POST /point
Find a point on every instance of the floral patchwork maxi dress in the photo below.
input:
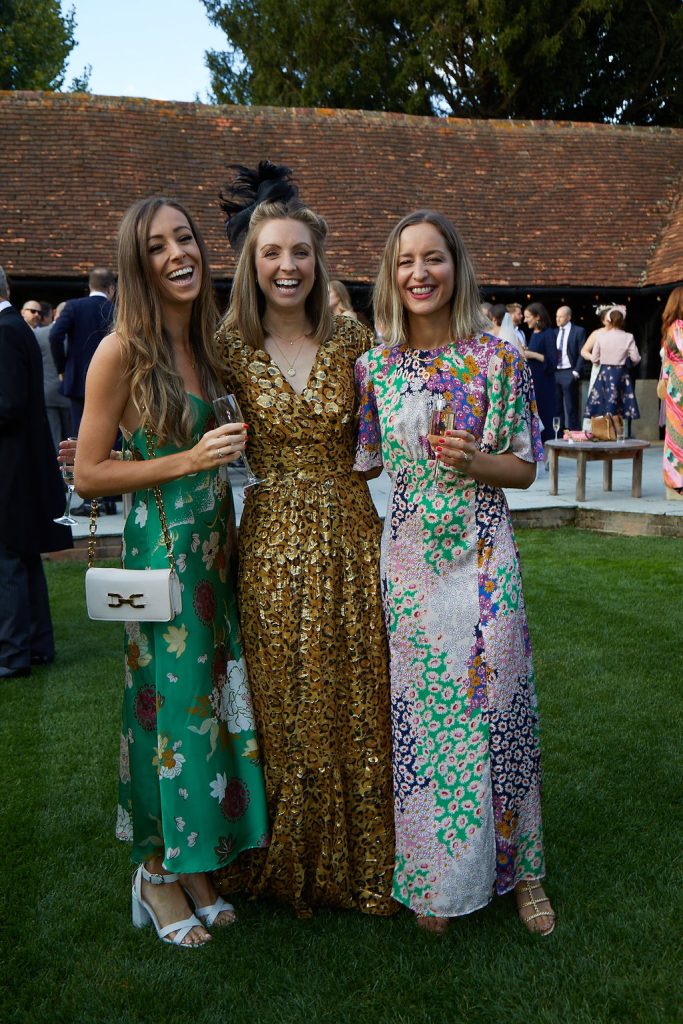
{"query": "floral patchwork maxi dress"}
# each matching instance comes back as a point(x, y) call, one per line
point(464, 713)
point(191, 784)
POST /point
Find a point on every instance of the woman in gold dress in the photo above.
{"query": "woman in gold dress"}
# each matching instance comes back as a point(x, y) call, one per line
point(310, 604)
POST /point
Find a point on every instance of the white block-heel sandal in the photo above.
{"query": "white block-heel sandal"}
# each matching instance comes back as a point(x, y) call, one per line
point(209, 914)
point(144, 915)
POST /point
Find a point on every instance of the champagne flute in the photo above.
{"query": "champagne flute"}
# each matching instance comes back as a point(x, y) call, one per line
point(228, 411)
point(67, 469)
point(556, 425)
point(442, 419)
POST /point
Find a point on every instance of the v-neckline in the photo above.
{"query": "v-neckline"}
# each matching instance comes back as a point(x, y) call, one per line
point(297, 394)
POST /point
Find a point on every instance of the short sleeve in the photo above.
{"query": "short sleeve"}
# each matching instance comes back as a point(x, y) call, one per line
point(512, 422)
point(369, 443)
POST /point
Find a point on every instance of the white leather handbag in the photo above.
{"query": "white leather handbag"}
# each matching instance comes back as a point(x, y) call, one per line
point(133, 595)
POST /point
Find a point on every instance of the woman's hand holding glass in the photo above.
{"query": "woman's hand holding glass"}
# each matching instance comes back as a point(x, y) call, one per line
point(456, 449)
point(218, 447)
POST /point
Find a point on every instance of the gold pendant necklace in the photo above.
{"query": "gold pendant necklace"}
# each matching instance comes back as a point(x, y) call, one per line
point(291, 365)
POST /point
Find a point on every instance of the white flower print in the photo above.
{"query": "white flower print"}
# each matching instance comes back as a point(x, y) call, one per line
point(180, 824)
point(192, 838)
point(124, 825)
point(195, 541)
point(141, 514)
point(219, 786)
point(183, 793)
point(210, 549)
point(171, 678)
point(168, 762)
point(235, 708)
point(181, 562)
point(135, 551)
point(172, 852)
point(201, 660)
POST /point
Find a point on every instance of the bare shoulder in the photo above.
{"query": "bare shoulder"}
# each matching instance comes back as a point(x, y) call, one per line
point(109, 354)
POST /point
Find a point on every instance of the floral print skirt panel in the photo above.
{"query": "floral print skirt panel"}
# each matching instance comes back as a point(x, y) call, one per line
point(190, 779)
point(612, 394)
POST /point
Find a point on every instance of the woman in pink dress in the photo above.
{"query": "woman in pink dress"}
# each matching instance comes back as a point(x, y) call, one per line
point(672, 373)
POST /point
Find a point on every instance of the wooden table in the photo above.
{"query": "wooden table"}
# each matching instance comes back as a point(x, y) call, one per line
point(597, 451)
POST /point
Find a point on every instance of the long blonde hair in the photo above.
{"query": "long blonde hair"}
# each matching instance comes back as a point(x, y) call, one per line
point(156, 387)
point(466, 316)
point(672, 311)
point(247, 302)
point(343, 292)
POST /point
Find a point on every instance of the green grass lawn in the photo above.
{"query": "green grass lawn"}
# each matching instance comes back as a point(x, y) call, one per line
point(605, 620)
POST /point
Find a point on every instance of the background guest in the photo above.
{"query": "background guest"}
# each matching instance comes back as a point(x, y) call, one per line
point(32, 495)
point(517, 316)
point(569, 339)
point(340, 300)
point(32, 312)
point(612, 393)
point(587, 349)
point(503, 327)
point(57, 405)
point(83, 322)
point(672, 373)
point(74, 338)
point(541, 353)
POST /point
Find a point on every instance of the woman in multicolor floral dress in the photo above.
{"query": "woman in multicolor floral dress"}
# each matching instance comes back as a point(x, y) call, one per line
point(672, 374)
point(465, 724)
point(191, 786)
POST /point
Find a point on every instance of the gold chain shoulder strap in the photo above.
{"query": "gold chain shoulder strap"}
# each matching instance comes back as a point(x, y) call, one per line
point(151, 452)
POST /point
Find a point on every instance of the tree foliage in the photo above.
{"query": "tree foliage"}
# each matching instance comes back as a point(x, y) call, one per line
point(585, 60)
point(35, 42)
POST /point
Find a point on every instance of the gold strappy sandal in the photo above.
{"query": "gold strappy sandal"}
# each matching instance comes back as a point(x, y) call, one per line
point(530, 890)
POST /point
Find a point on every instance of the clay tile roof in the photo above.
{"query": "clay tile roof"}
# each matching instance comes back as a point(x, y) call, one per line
point(538, 203)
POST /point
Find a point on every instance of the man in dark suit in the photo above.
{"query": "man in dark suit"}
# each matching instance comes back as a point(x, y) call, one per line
point(31, 495)
point(569, 339)
point(75, 335)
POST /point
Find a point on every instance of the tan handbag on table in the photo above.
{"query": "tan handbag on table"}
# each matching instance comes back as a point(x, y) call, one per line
point(133, 595)
point(606, 428)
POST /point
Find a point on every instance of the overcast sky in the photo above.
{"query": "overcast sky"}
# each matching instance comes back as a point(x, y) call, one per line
point(152, 48)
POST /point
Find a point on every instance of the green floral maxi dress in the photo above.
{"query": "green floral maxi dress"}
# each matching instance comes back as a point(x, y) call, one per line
point(190, 779)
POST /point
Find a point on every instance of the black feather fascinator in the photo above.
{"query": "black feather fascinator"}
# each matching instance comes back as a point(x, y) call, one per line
point(268, 183)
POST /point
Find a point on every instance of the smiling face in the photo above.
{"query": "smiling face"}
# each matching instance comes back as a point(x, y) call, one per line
point(531, 319)
point(426, 272)
point(285, 263)
point(174, 259)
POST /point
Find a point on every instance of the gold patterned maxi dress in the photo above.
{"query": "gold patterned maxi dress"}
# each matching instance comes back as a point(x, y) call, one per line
point(314, 636)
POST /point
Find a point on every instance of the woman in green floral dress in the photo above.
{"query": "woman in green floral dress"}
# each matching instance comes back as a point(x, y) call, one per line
point(191, 785)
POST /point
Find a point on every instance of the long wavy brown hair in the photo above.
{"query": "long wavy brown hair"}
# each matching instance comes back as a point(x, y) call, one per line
point(672, 311)
point(247, 302)
point(156, 387)
point(466, 317)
